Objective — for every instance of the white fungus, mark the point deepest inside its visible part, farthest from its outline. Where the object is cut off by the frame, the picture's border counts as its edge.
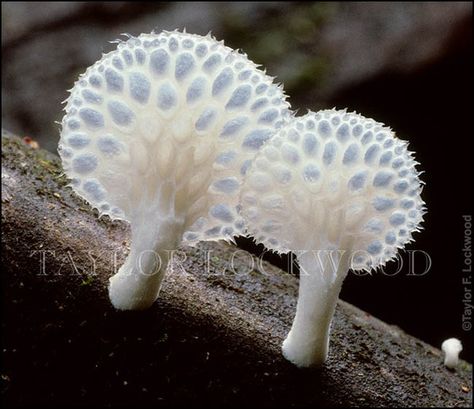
(325, 188)
(164, 126)
(451, 348)
(188, 140)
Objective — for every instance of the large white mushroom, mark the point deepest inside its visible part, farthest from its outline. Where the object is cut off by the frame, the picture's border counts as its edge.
(160, 132)
(342, 192)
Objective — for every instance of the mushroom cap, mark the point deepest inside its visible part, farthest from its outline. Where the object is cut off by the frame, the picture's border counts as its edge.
(330, 178)
(451, 346)
(174, 118)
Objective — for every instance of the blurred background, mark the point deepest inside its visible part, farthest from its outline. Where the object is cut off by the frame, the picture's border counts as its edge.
(408, 65)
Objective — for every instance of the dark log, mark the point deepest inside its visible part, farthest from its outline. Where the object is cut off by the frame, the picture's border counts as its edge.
(212, 339)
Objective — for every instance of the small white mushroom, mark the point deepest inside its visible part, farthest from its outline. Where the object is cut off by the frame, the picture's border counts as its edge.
(159, 133)
(451, 348)
(340, 191)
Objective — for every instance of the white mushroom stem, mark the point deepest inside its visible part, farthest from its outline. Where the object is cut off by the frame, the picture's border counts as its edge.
(160, 132)
(321, 277)
(331, 180)
(137, 284)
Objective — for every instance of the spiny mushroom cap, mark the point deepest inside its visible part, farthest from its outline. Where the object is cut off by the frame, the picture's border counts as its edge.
(172, 117)
(334, 177)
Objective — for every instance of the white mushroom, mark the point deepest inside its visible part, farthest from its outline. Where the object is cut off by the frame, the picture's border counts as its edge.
(341, 191)
(451, 348)
(159, 133)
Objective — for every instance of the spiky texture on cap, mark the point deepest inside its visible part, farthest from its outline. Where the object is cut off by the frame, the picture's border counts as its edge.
(334, 177)
(173, 117)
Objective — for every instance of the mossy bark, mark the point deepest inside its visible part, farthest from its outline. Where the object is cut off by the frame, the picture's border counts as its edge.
(212, 339)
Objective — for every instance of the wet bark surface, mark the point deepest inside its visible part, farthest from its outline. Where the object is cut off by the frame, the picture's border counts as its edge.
(212, 339)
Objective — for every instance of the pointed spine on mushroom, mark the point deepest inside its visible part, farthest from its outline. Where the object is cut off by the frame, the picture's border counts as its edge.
(160, 132)
(342, 192)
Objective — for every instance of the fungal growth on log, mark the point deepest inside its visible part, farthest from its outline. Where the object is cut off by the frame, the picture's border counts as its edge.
(341, 192)
(160, 132)
(451, 348)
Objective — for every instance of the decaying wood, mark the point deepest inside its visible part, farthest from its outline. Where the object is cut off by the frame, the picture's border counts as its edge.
(212, 339)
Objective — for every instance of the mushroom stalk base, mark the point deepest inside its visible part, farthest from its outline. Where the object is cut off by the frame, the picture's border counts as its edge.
(137, 284)
(307, 342)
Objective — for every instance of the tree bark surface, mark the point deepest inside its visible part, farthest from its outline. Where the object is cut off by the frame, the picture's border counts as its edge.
(213, 338)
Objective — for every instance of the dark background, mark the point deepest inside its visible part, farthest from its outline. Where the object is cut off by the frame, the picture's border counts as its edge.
(405, 64)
